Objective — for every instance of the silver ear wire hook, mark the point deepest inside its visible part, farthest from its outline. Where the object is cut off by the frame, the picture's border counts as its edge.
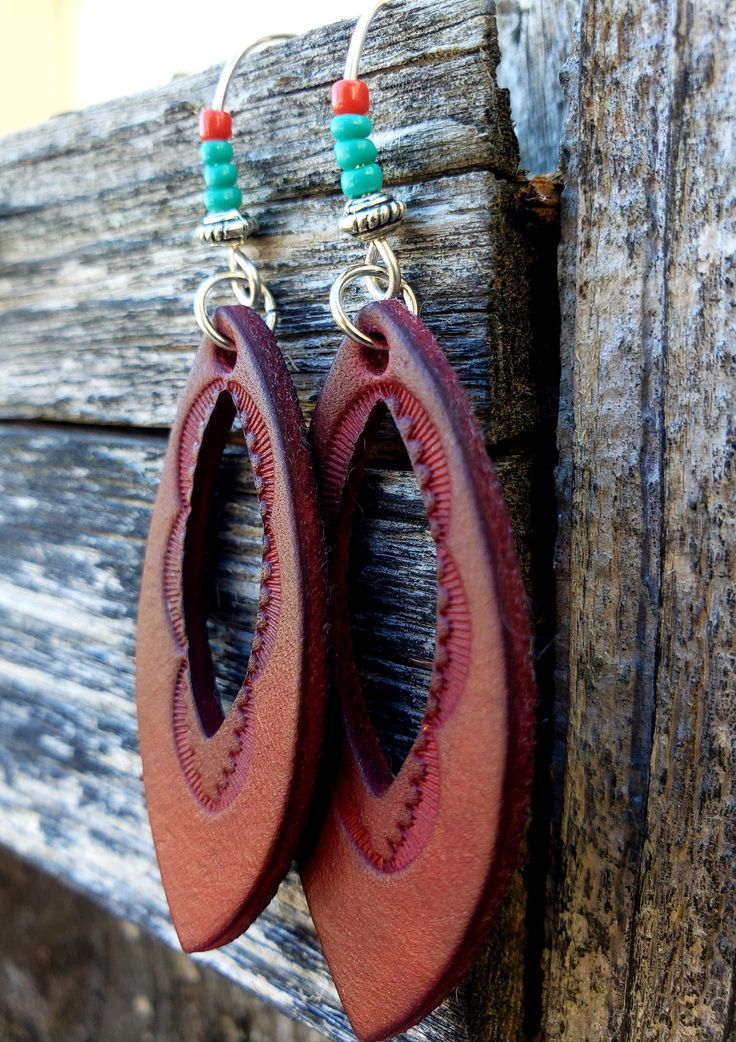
(232, 227)
(369, 218)
(358, 38)
(223, 84)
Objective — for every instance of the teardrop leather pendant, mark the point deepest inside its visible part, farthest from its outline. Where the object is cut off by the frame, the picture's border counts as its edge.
(405, 873)
(227, 797)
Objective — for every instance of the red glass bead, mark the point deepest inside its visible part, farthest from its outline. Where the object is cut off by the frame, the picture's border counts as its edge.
(215, 125)
(350, 98)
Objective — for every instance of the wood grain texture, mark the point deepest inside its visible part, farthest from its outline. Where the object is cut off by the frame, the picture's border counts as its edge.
(643, 934)
(97, 271)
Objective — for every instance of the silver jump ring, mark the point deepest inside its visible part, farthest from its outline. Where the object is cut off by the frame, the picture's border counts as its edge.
(256, 288)
(380, 248)
(359, 271)
(200, 304)
(237, 260)
(269, 307)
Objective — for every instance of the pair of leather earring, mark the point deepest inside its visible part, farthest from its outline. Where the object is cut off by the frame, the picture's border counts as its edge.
(402, 874)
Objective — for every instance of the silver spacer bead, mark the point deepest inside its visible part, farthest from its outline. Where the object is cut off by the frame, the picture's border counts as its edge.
(223, 229)
(372, 216)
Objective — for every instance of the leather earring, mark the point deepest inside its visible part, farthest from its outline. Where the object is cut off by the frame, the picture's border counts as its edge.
(227, 795)
(404, 874)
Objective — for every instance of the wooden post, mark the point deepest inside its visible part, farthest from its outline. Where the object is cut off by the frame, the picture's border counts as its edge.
(643, 903)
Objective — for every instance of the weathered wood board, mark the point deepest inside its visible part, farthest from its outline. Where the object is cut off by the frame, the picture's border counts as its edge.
(71, 787)
(97, 272)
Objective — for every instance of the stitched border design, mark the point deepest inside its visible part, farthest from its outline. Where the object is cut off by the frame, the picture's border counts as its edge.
(419, 778)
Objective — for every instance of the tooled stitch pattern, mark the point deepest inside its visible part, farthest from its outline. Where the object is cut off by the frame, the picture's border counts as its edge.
(453, 630)
(220, 793)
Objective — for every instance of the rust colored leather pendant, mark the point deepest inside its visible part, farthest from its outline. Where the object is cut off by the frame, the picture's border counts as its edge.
(227, 797)
(405, 873)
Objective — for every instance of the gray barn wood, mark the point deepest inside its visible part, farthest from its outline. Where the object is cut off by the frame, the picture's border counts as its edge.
(96, 280)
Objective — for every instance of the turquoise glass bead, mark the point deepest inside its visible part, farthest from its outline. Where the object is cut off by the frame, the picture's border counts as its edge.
(217, 200)
(213, 152)
(346, 128)
(354, 153)
(363, 181)
(221, 176)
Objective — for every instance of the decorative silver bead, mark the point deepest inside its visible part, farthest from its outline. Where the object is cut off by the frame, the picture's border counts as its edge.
(223, 229)
(371, 216)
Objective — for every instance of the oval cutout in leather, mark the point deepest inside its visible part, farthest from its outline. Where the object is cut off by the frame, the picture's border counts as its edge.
(230, 576)
(205, 687)
(227, 798)
(405, 873)
(390, 533)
